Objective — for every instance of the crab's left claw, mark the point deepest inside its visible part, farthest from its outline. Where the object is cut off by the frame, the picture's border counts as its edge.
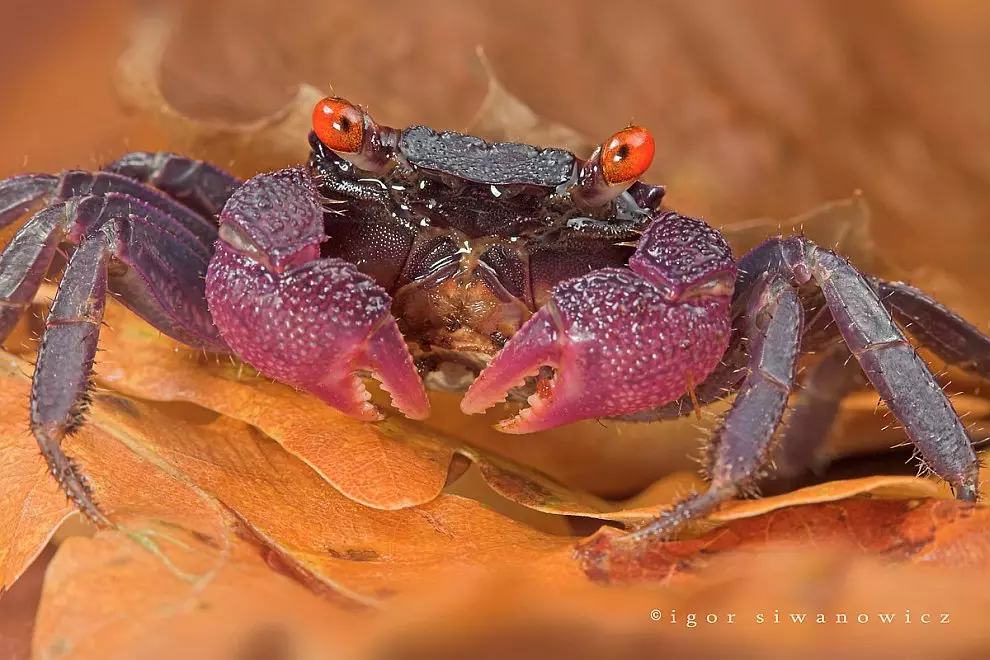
(617, 346)
(314, 323)
(315, 327)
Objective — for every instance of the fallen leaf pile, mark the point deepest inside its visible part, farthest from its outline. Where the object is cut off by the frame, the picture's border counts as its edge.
(252, 521)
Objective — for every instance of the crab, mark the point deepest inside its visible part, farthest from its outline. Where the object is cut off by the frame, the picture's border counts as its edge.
(438, 260)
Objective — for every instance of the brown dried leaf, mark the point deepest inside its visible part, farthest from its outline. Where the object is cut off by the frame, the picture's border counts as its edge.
(929, 531)
(263, 144)
(367, 554)
(388, 465)
(31, 504)
(506, 617)
(231, 604)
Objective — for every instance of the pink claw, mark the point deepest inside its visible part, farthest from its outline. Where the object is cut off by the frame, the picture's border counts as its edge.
(315, 327)
(310, 322)
(617, 345)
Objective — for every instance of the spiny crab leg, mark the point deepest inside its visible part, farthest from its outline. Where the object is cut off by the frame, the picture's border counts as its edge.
(310, 322)
(59, 393)
(740, 449)
(19, 193)
(198, 185)
(621, 341)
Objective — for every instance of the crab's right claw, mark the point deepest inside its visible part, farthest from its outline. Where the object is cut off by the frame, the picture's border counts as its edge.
(315, 327)
(617, 347)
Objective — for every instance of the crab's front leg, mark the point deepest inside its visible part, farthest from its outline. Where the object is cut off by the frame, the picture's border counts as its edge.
(622, 340)
(314, 323)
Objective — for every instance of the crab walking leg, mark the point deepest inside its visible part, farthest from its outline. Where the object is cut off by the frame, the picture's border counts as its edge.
(891, 364)
(621, 340)
(26, 259)
(80, 183)
(201, 186)
(314, 323)
(60, 388)
(813, 416)
(19, 193)
(947, 334)
(740, 448)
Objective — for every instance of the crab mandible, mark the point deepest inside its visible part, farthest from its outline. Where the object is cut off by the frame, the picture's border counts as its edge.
(415, 255)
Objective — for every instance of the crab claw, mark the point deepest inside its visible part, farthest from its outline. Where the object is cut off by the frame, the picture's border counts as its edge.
(617, 346)
(315, 327)
(309, 322)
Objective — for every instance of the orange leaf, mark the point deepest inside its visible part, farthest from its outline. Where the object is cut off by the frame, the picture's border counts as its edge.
(929, 531)
(364, 553)
(844, 606)
(31, 504)
(108, 597)
(366, 462)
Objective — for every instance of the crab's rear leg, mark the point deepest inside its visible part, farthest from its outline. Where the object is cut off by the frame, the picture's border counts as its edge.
(621, 340)
(160, 270)
(199, 185)
(314, 323)
(891, 364)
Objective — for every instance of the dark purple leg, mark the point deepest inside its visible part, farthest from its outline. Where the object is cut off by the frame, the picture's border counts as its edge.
(19, 193)
(946, 333)
(814, 414)
(899, 375)
(79, 183)
(201, 186)
(740, 449)
(60, 389)
(161, 267)
(26, 259)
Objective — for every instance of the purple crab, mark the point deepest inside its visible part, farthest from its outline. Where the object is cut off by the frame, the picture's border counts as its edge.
(440, 260)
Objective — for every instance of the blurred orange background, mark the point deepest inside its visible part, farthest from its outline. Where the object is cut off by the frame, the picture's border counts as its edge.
(763, 108)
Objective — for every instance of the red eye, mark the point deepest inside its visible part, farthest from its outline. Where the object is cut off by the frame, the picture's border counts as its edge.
(339, 125)
(627, 155)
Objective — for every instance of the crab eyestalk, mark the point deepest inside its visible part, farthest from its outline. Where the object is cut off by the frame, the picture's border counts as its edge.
(353, 135)
(614, 166)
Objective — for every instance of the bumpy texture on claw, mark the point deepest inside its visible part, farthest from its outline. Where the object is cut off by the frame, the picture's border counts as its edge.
(621, 341)
(312, 323)
(618, 346)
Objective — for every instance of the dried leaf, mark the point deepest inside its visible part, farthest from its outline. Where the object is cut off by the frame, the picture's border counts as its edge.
(930, 531)
(31, 504)
(259, 145)
(364, 553)
(233, 605)
(367, 462)
(742, 607)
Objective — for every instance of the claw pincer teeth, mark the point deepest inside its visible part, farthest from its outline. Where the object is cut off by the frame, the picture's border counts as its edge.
(315, 327)
(617, 345)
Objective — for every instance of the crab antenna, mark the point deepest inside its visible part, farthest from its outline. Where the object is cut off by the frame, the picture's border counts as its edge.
(614, 166)
(353, 135)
